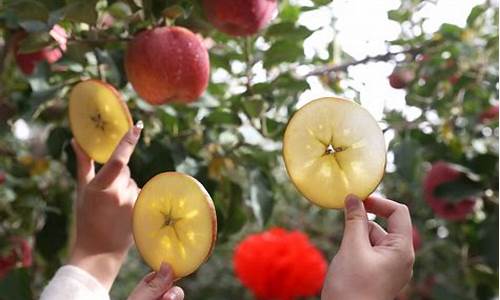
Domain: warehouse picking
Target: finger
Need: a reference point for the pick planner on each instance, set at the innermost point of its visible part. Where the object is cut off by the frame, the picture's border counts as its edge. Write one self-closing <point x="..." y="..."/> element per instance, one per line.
<point x="175" y="293"/>
<point x="356" y="224"/>
<point x="120" y="157"/>
<point x="376" y="233"/>
<point x="85" y="165"/>
<point x="397" y="214"/>
<point x="153" y="286"/>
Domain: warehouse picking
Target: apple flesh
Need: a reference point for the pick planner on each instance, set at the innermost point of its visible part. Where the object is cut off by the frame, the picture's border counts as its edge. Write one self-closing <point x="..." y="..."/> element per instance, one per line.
<point x="332" y="148"/>
<point x="28" y="61"/>
<point x="239" y="17"/>
<point x="174" y="221"/>
<point x="167" y="64"/>
<point x="98" y="118"/>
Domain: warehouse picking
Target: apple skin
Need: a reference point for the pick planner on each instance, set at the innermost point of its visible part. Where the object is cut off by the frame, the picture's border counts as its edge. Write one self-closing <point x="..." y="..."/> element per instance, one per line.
<point x="400" y="78"/>
<point x="167" y="64"/>
<point x="239" y="17"/>
<point x="490" y="114"/>
<point x="416" y="239"/>
<point x="442" y="172"/>
<point x="21" y="252"/>
<point x="28" y="61"/>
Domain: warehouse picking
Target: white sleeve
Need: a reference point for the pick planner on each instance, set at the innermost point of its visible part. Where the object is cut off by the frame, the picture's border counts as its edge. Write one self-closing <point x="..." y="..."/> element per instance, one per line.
<point x="73" y="283"/>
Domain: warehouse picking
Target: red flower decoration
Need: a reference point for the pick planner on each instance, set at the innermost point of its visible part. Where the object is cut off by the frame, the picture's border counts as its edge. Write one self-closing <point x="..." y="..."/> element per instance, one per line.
<point x="281" y="265"/>
<point x="442" y="172"/>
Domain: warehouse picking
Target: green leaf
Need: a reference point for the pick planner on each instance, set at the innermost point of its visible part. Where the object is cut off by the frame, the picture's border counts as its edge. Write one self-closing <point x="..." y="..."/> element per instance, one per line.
<point x="29" y="10"/>
<point x="235" y="217"/>
<point x="283" y="51"/>
<point x="120" y="10"/>
<point x="406" y="158"/>
<point x="455" y="191"/>
<point x="149" y="160"/>
<point x="16" y="285"/>
<point x="261" y="196"/>
<point x="399" y="15"/>
<point x="273" y="128"/>
<point x="220" y="117"/>
<point x="57" y="140"/>
<point x="475" y="13"/>
<point x="253" y="107"/>
<point x="287" y="30"/>
<point x="36" y="41"/>
<point x="289" y="13"/>
<point x="450" y="31"/>
<point x="81" y="11"/>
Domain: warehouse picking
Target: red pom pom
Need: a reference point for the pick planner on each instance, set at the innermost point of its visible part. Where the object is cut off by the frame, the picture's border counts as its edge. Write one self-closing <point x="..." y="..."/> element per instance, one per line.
<point x="278" y="264"/>
<point x="442" y="172"/>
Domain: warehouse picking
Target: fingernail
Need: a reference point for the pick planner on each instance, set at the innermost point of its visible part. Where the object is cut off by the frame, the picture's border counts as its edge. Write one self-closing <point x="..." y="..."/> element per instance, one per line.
<point x="138" y="127"/>
<point x="351" y="202"/>
<point x="139" y="124"/>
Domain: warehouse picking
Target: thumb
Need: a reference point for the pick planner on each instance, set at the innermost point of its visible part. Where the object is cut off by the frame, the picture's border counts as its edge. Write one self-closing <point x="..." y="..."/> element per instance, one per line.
<point x="154" y="285"/>
<point x="356" y="223"/>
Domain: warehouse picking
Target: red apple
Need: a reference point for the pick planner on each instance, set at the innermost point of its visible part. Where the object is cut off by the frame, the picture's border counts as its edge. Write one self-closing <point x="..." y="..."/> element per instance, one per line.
<point x="21" y="252"/>
<point x="442" y="172"/>
<point x="400" y="78"/>
<point x="490" y="114"/>
<point x="454" y="79"/>
<point x="2" y="177"/>
<point x="239" y="17"/>
<point x="167" y="64"/>
<point x="417" y="240"/>
<point x="28" y="61"/>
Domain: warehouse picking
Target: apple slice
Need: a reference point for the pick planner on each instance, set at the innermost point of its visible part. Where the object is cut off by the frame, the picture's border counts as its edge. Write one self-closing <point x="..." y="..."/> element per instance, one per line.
<point x="174" y="221"/>
<point x="98" y="118"/>
<point x="333" y="147"/>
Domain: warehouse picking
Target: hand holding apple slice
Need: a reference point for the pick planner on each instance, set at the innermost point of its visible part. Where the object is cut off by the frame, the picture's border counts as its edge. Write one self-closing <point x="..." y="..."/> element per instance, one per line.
<point x="174" y="221"/>
<point x="98" y="118"/>
<point x="333" y="147"/>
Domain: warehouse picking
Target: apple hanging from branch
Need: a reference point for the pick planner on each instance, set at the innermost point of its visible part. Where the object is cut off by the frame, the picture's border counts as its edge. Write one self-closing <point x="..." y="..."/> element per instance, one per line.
<point x="239" y="17"/>
<point x="167" y="64"/>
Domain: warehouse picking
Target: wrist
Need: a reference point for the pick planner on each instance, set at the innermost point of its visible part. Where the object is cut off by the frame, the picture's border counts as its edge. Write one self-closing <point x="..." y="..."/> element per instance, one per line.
<point x="103" y="266"/>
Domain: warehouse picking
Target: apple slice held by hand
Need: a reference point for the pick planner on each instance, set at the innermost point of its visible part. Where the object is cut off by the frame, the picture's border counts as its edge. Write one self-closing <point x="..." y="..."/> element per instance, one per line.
<point x="98" y="118"/>
<point x="174" y="221"/>
<point x="332" y="148"/>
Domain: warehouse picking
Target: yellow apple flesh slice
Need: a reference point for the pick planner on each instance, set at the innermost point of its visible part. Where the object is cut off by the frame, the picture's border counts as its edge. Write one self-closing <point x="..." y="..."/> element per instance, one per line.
<point x="98" y="118"/>
<point x="174" y="221"/>
<point x="333" y="147"/>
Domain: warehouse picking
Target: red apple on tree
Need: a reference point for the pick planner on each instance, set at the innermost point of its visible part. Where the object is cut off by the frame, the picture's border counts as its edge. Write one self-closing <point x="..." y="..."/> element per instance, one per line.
<point x="490" y="114"/>
<point x="21" y="252"/>
<point x="167" y="64"/>
<point x="28" y="61"/>
<point x="400" y="78"/>
<point x="442" y="173"/>
<point x="239" y="17"/>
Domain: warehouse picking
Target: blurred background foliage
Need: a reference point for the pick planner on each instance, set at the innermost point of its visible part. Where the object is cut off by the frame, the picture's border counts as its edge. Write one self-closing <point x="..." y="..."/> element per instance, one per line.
<point x="230" y="139"/>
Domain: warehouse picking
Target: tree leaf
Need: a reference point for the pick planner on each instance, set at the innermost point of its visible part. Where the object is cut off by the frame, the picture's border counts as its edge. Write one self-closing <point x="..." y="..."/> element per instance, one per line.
<point x="283" y="51"/>
<point x="16" y="285"/>
<point x="220" y="117"/>
<point x="57" y="140"/>
<point x="81" y="11"/>
<point x="455" y="191"/>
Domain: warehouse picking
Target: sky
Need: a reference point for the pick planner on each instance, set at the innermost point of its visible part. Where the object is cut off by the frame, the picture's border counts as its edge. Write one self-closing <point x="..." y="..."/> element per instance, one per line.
<point x="363" y="29"/>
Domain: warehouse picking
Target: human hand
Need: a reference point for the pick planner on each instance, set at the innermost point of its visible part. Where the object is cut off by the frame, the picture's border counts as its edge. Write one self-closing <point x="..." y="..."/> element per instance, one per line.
<point x="158" y="286"/>
<point x="371" y="263"/>
<point x="104" y="211"/>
